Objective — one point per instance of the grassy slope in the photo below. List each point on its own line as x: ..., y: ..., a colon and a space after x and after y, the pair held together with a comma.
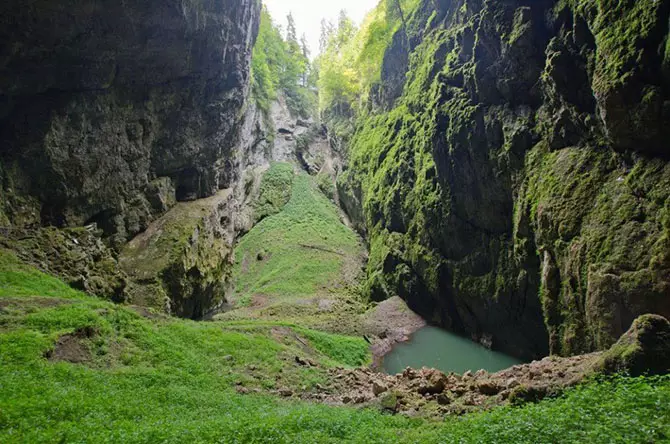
x: 296, y: 257
x: 147, y: 382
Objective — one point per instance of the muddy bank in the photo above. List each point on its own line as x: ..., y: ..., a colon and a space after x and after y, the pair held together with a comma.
x: 389, y: 323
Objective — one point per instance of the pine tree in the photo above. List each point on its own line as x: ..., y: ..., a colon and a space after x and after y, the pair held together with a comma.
x: 345, y: 29
x: 305, y: 54
x: 291, y: 33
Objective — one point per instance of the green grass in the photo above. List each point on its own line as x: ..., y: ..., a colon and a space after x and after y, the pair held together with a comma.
x: 616, y: 410
x: 298, y: 252
x: 170, y: 380
x: 345, y: 349
x: 18, y: 279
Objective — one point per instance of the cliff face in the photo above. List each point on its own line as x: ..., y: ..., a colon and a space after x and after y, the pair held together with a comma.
x: 515, y: 183
x: 101, y: 99
x: 110, y: 114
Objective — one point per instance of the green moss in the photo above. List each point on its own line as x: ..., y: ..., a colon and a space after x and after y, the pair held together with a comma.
x: 182, y: 256
x: 392, y: 162
x: 621, y: 28
x: 326, y: 185
x: 275, y: 190
x: 389, y: 402
x: 603, y: 226
x: 76, y: 255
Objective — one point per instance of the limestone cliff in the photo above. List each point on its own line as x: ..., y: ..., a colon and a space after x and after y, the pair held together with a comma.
x: 513, y: 175
x: 101, y: 98
x: 110, y: 114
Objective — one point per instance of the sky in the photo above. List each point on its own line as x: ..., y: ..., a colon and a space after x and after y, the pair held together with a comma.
x: 308, y: 14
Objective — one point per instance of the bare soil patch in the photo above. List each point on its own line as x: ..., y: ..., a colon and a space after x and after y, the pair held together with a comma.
x: 259, y: 301
x: 390, y: 322
x: 72, y: 347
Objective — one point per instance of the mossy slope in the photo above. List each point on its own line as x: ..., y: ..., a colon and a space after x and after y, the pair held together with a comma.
x: 300, y: 264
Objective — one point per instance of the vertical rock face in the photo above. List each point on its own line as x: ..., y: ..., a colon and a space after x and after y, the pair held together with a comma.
x: 110, y: 114
x: 111, y: 111
x: 517, y: 184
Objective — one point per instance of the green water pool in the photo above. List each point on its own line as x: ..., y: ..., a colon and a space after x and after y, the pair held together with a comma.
x: 445, y: 351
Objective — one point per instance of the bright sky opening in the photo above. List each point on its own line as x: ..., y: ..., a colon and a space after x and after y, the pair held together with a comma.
x: 308, y: 15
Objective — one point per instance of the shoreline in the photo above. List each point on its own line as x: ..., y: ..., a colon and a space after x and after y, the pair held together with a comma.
x: 391, y: 322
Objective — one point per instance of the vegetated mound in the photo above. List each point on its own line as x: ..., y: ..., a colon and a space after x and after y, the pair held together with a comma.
x: 643, y: 349
x: 300, y: 263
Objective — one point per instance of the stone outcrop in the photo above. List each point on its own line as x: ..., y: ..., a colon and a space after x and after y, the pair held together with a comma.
x: 182, y: 263
x: 643, y: 349
x: 111, y: 111
x: 516, y: 187
x: 76, y: 255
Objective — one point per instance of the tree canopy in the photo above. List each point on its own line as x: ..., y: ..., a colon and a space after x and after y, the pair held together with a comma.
x: 281, y: 65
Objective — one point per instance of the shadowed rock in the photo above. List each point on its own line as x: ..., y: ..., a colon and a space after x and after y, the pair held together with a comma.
x: 643, y: 349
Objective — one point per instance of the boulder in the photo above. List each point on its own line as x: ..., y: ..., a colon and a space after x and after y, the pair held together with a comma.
x: 434, y: 382
x: 378, y: 388
x: 183, y: 262
x: 488, y: 388
x: 643, y: 349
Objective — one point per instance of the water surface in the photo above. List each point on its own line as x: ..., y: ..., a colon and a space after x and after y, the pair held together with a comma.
x: 445, y: 351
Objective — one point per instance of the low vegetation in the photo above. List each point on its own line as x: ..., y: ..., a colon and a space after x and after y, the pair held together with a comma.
x: 299, y: 265
x: 275, y: 190
x: 142, y: 380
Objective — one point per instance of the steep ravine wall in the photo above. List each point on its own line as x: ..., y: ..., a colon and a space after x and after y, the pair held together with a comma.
x: 513, y: 176
x: 101, y: 98
x: 113, y: 112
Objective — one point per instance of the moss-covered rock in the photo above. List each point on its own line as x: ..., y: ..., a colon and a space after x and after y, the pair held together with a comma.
x: 77, y: 255
x: 183, y: 262
x: 643, y: 349
x: 501, y: 188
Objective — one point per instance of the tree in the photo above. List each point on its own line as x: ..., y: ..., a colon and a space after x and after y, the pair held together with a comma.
x: 345, y: 29
x: 327, y: 31
x: 280, y: 64
x: 305, y: 54
x: 338, y: 79
x: 291, y: 33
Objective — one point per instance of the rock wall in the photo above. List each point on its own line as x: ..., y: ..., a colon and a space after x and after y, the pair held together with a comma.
x: 182, y: 263
x: 516, y: 187
x: 106, y: 106
x: 115, y: 115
